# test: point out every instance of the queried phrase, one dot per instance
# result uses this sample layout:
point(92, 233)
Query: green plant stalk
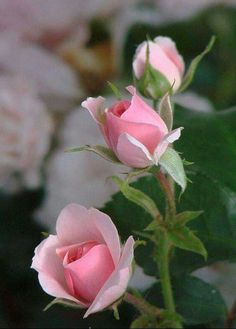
point(163, 261)
point(163, 265)
point(168, 189)
point(142, 305)
point(164, 247)
point(168, 186)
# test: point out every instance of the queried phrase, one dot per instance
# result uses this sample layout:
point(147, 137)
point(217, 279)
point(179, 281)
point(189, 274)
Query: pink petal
point(159, 60)
point(133, 153)
point(167, 139)
point(74, 249)
point(141, 112)
point(169, 47)
point(88, 274)
point(147, 134)
point(109, 232)
point(50, 268)
point(117, 283)
point(95, 107)
point(76, 225)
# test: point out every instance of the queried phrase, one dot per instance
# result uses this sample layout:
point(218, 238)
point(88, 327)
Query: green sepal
point(116, 312)
point(194, 64)
point(45, 234)
point(182, 237)
point(115, 90)
point(100, 150)
point(63, 302)
point(173, 164)
point(136, 172)
point(138, 197)
point(139, 243)
point(165, 111)
point(152, 84)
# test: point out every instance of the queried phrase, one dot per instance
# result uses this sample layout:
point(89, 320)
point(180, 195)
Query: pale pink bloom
point(84, 262)
point(164, 57)
point(52, 78)
point(25, 131)
point(34, 19)
point(132, 129)
point(19, 16)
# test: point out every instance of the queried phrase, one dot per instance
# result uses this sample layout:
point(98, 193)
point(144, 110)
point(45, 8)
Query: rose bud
point(158, 67)
point(132, 129)
point(84, 262)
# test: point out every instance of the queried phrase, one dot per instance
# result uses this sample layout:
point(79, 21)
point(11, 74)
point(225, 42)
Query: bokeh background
point(53, 54)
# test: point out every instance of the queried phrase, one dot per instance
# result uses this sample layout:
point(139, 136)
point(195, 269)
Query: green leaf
point(165, 111)
point(198, 302)
point(209, 140)
point(100, 150)
point(194, 64)
point(173, 164)
point(186, 216)
point(216, 227)
point(183, 238)
point(138, 197)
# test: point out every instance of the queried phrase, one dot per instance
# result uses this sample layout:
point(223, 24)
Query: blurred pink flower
point(25, 131)
point(53, 79)
point(84, 262)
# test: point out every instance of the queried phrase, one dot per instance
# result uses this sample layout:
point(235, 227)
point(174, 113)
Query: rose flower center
point(119, 108)
point(87, 266)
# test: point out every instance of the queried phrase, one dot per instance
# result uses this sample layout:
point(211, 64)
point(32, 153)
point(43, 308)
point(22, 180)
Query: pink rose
point(132, 129)
point(163, 57)
point(84, 261)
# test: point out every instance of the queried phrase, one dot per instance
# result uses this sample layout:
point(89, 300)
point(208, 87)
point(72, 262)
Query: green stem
point(163, 262)
point(165, 245)
point(168, 191)
point(142, 305)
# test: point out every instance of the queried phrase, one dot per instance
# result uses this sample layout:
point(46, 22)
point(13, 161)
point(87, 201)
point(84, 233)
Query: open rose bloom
point(132, 129)
point(84, 262)
point(163, 57)
point(25, 131)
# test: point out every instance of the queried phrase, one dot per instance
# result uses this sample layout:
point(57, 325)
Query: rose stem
point(168, 191)
point(142, 305)
point(164, 247)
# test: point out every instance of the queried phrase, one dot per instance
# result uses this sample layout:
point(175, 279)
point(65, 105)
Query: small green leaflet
point(186, 216)
point(173, 164)
point(183, 238)
point(137, 197)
